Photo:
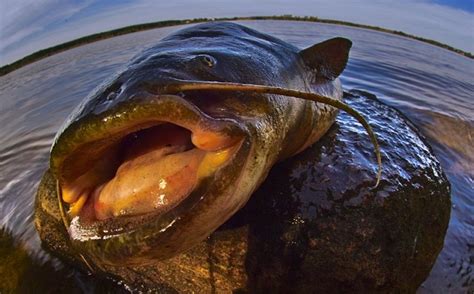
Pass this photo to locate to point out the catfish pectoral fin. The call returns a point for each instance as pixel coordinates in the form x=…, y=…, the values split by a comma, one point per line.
x=327, y=59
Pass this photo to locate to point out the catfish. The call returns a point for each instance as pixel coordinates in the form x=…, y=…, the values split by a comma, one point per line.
x=168, y=149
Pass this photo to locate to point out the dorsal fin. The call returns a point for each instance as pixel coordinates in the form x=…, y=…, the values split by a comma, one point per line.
x=327, y=59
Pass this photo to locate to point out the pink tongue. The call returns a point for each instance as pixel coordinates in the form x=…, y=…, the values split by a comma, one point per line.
x=159, y=170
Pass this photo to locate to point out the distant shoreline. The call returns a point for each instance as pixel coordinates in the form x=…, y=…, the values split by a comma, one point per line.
x=154, y=25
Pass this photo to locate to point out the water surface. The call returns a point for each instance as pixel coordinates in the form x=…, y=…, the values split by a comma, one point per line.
x=430, y=85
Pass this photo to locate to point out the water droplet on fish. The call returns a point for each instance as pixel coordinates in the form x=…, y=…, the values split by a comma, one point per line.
x=160, y=201
x=162, y=184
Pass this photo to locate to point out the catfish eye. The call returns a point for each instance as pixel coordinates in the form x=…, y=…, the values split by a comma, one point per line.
x=207, y=60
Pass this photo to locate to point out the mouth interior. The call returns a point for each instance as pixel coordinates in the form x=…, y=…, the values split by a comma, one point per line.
x=150, y=170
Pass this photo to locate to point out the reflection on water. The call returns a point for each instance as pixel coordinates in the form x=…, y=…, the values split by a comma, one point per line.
x=432, y=86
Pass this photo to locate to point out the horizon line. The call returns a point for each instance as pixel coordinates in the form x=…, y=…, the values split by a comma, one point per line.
x=49, y=51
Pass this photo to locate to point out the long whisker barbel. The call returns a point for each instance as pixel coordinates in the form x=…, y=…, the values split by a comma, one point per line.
x=185, y=85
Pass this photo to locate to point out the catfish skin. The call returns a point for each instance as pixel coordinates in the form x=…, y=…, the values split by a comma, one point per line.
x=274, y=127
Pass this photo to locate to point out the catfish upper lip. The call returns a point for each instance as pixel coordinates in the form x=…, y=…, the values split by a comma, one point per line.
x=93, y=134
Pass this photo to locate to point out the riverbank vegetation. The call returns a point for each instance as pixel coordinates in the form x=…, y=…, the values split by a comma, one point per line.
x=147, y=26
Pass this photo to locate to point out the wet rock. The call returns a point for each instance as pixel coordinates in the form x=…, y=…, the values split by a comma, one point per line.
x=317, y=226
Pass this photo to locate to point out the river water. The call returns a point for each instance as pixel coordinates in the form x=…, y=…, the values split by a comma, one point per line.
x=432, y=86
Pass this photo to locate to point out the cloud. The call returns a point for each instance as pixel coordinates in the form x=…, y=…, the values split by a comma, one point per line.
x=22, y=20
x=34, y=25
x=9, y=39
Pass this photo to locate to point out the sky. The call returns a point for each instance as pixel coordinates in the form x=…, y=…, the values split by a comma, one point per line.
x=27, y=26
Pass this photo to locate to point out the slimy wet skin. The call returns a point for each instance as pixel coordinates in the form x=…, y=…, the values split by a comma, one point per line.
x=163, y=153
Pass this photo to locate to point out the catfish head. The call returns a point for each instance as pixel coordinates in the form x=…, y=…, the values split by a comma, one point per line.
x=164, y=152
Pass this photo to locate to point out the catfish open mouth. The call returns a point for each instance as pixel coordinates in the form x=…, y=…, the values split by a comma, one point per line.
x=146, y=165
x=150, y=170
x=104, y=161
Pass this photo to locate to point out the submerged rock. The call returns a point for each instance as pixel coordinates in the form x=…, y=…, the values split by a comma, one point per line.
x=315, y=225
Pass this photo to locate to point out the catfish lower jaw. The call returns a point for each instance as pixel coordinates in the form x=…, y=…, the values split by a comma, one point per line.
x=149, y=172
